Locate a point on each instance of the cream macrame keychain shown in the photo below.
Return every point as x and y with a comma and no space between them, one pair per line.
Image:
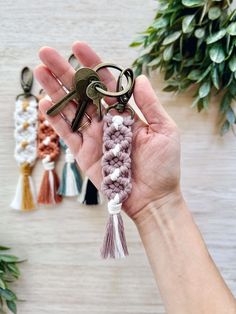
26,122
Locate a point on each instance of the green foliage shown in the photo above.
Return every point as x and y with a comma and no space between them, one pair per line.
9,272
194,43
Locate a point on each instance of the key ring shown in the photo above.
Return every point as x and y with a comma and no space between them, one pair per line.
128,75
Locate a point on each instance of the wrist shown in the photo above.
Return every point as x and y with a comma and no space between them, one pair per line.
161,211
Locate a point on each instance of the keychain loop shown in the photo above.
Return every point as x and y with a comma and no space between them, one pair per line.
26,80
128,74
121,108
73,62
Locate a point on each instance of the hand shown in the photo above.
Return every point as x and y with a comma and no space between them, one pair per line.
155,149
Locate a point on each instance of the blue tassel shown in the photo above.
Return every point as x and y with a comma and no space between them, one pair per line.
71,181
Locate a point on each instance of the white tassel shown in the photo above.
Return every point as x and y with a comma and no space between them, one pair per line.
114,244
71,181
17,200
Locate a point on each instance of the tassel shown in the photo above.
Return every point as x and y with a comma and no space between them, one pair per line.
49,185
114,244
25,198
89,193
71,181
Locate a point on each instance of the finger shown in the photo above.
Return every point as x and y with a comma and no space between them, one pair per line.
60,67
146,100
53,88
72,140
56,92
89,58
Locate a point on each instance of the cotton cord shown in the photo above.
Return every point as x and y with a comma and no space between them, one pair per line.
116,185
26,123
48,151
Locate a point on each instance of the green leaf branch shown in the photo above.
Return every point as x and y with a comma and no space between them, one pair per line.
193,42
9,272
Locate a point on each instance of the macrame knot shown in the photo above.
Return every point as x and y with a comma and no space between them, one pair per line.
26,169
114,205
48,165
117,121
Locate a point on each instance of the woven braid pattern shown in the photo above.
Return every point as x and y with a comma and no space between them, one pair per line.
48,141
116,161
26,121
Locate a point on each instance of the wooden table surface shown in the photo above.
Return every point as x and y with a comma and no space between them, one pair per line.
64,272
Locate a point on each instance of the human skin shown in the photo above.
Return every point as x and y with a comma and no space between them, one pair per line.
186,275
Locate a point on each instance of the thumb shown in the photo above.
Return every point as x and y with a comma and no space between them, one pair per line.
147,101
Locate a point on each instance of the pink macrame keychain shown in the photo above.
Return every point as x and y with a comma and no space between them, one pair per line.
116,166
116,185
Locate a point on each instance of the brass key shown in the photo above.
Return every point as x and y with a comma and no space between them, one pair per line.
95,96
80,75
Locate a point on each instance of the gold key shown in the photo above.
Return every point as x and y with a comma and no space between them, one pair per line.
95,96
81,75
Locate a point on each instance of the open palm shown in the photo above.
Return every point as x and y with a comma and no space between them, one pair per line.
155,149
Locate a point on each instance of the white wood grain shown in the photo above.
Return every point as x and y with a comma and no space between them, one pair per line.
64,272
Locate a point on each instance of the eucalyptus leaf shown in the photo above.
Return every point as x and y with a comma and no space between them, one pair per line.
154,62
161,22
204,89
171,38
193,3
215,77
204,74
187,23
168,53
170,88
4,248
225,128
231,29
214,13
232,63
12,306
194,75
8,258
2,284
7,294
216,36
217,53
136,44
225,102
205,102
200,32
230,116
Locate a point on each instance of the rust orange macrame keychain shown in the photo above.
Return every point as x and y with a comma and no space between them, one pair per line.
48,150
